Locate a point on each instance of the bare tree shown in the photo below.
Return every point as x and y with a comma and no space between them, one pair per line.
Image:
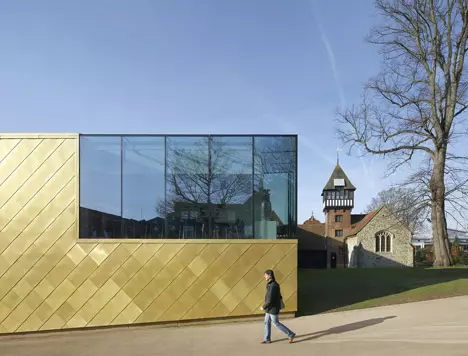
405,203
415,106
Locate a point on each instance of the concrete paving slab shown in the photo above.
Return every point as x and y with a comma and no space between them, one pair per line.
437,327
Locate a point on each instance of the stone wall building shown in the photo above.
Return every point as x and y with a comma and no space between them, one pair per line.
379,240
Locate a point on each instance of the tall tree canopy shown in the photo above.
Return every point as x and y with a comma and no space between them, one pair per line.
414,107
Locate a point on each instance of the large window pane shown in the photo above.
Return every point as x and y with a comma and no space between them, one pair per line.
275,186
143,186
231,186
188,184
100,188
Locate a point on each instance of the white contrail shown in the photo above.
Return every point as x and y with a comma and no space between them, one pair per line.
330,55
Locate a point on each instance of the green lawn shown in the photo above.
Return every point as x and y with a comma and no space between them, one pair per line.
346,289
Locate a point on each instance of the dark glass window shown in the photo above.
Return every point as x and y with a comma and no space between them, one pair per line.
231,160
143,187
188,186
339,218
383,242
338,233
274,186
340,193
100,188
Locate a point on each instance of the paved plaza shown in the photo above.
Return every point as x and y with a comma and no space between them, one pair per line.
438,327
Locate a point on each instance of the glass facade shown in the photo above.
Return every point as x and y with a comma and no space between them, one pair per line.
188,187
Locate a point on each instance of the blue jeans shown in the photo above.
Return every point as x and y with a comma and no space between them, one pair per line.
269,318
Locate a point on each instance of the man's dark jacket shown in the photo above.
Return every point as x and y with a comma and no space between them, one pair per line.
272,298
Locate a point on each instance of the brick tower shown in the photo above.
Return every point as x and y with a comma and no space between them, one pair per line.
338,202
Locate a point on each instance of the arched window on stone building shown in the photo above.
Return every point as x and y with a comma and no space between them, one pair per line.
383,241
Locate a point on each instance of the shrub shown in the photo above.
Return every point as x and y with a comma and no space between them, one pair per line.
456,251
419,256
428,254
464,259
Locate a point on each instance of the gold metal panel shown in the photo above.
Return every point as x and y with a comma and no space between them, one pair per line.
51,280
111,310
20,177
7,146
127,316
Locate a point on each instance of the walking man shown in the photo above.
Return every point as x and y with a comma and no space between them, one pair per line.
273,305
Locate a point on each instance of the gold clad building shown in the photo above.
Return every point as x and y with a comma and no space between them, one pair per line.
104,230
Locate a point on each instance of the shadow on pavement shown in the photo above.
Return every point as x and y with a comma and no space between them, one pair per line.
339,329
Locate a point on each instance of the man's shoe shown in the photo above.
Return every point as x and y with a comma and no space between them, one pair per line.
291,339
265,342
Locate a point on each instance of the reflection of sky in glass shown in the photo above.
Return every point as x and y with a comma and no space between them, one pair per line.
192,151
143,176
100,173
237,153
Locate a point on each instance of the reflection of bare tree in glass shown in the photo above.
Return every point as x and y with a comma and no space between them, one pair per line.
211,174
201,176
208,172
278,156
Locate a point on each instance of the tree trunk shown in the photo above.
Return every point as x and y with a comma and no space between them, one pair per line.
442,255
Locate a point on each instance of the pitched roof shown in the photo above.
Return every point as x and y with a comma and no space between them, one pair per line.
317,229
362,224
355,218
338,173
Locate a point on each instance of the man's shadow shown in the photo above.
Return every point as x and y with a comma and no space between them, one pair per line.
340,329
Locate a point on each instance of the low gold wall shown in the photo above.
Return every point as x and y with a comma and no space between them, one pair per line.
50,280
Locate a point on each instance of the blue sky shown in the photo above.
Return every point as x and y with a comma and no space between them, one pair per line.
147,66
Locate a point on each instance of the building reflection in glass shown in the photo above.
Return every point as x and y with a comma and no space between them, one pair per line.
187,187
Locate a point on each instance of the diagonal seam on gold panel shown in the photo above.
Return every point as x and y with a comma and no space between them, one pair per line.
79,286
12,149
35,194
287,253
173,279
220,300
189,310
139,269
110,278
292,272
45,276
38,236
39,213
46,227
198,277
55,218
251,268
157,274
58,239
32,174
34,286
129,256
20,163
